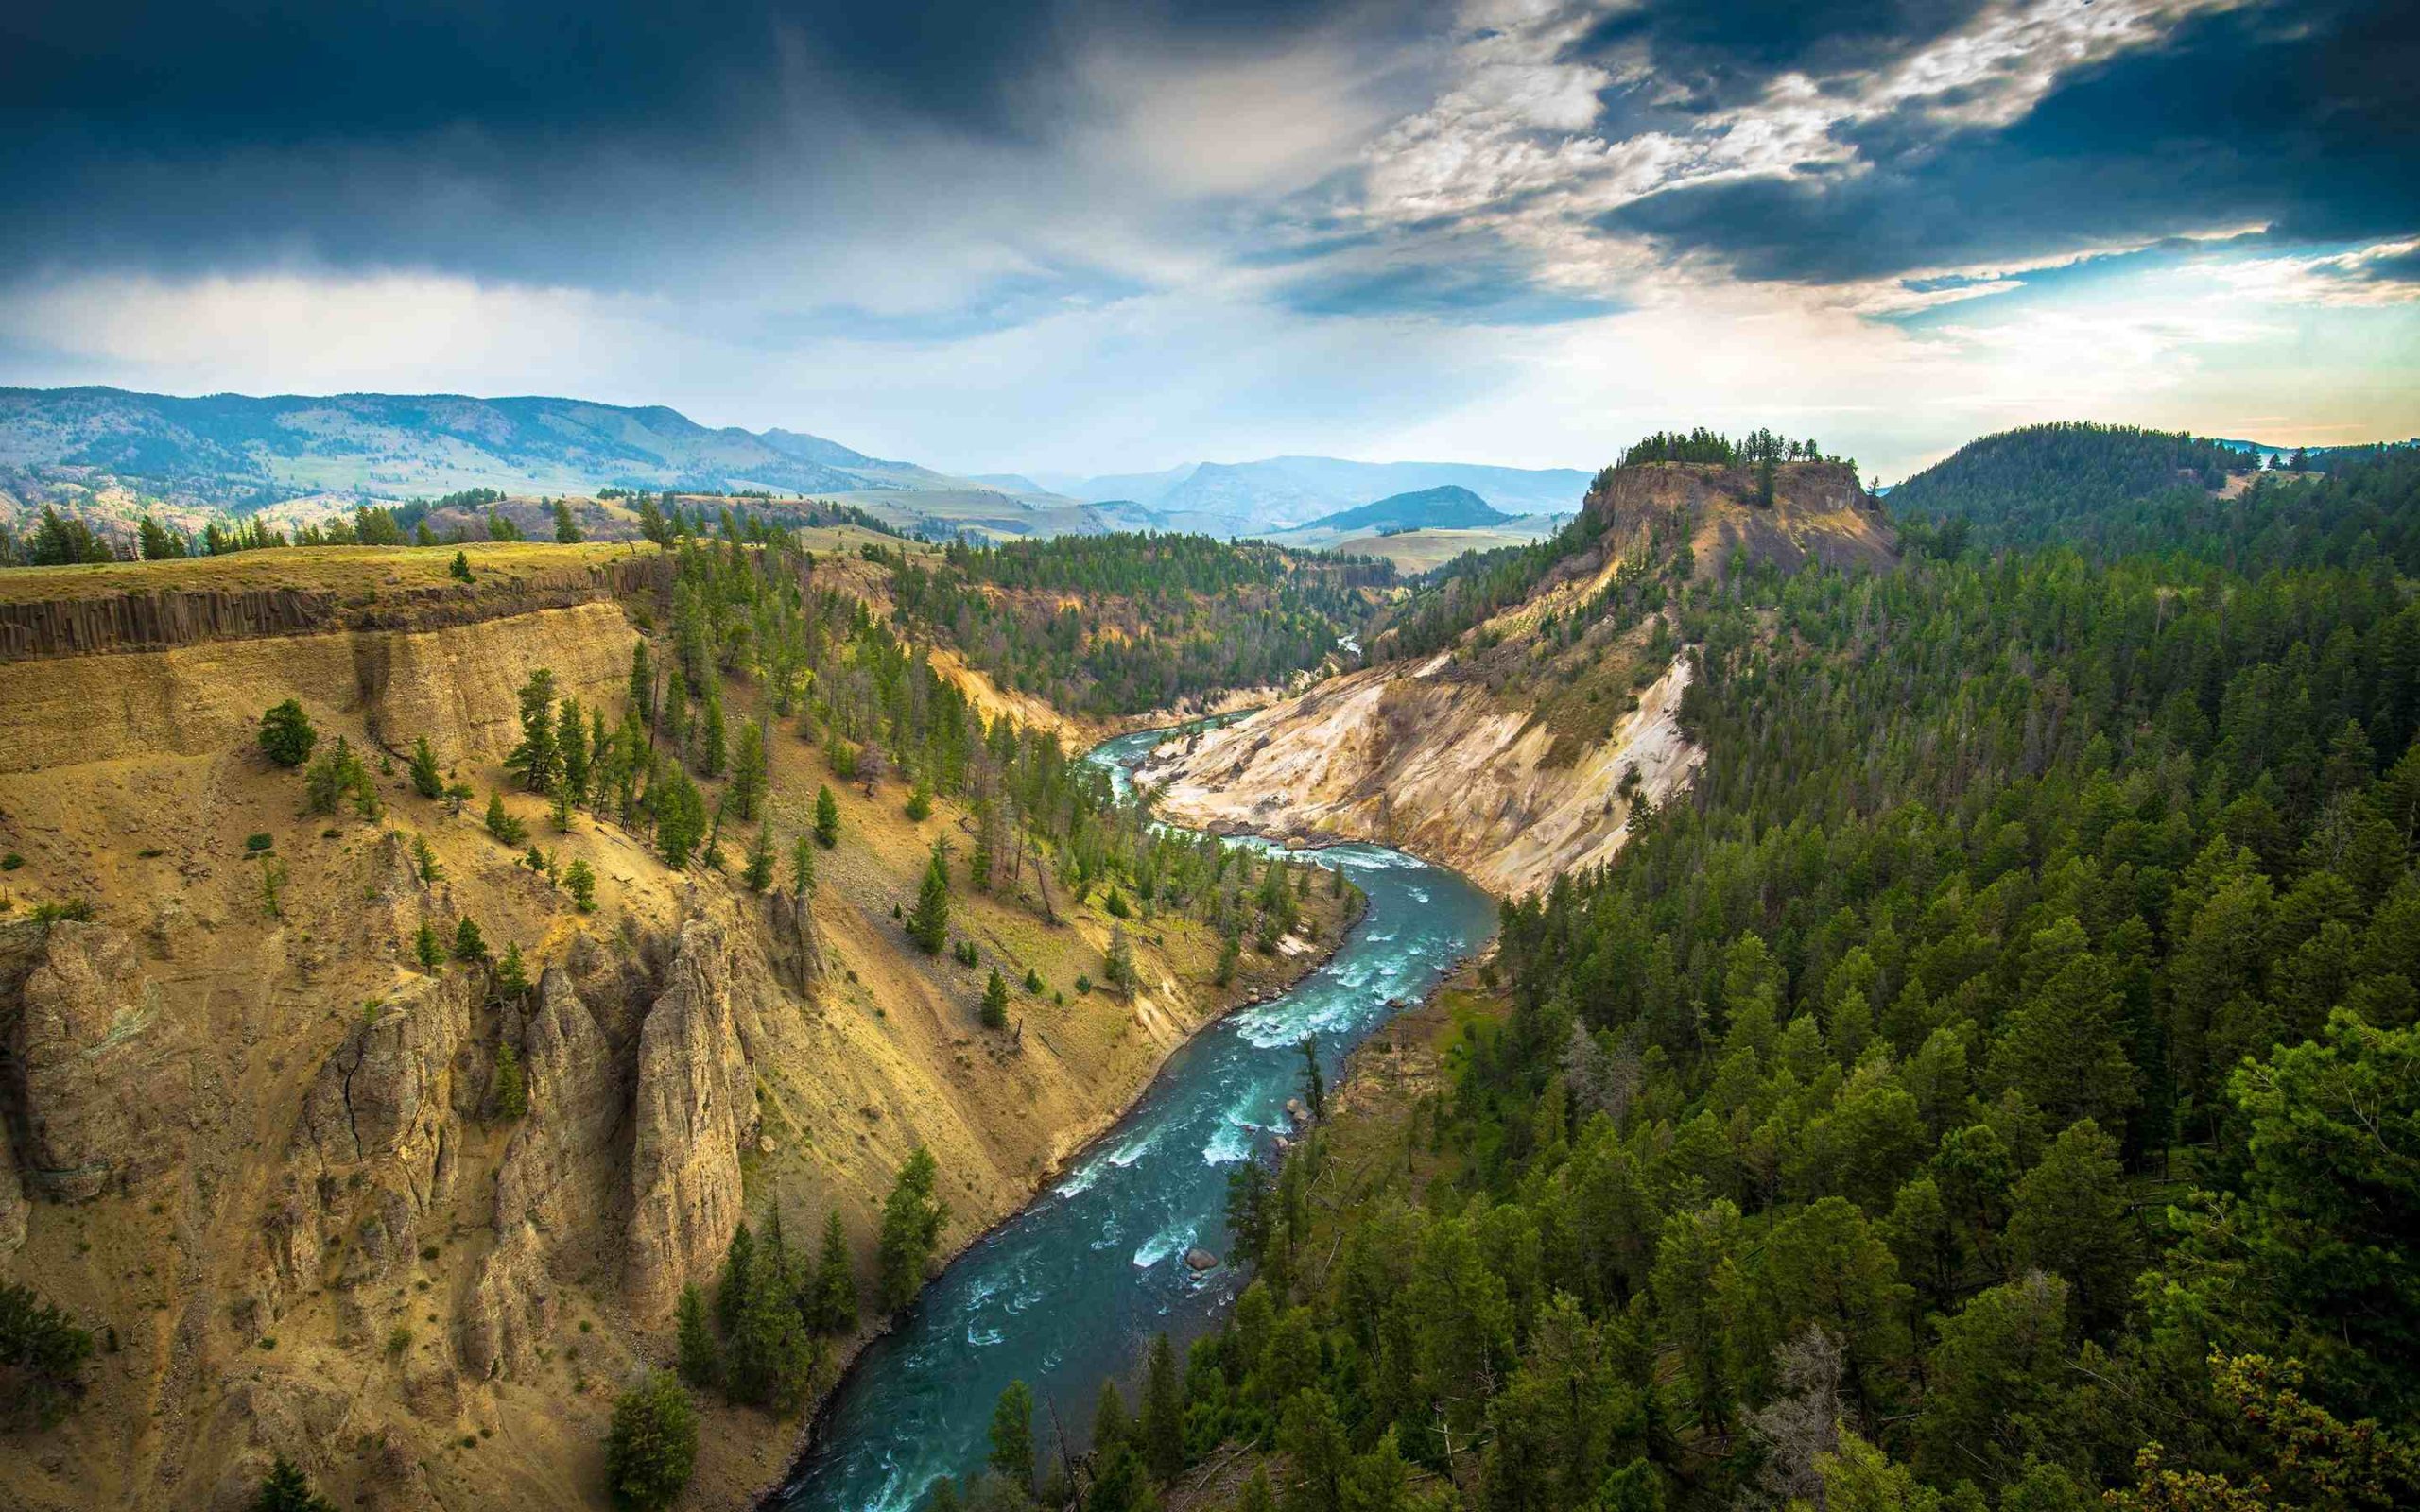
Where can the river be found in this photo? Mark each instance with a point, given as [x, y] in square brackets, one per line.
[1069, 1291]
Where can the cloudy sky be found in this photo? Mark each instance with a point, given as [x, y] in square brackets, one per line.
[1096, 236]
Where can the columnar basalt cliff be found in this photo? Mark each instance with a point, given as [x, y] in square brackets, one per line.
[160, 619]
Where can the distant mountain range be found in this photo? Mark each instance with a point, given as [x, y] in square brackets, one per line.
[235, 451]
[1446, 506]
[1284, 492]
[113, 454]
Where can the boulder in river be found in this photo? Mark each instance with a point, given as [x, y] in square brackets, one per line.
[1197, 1260]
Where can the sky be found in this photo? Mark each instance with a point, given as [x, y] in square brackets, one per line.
[1088, 237]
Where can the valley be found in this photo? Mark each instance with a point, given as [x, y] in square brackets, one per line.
[260, 1142]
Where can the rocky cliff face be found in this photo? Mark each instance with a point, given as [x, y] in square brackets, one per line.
[248, 1129]
[454, 684]
[159, 620]
[102, 1066]
[1484, 756]
[1418, 759]
[696, 1102]
[557, 1200]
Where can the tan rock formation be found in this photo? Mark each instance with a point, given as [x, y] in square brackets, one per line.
[1415, 758]
[556, 1193]
[695, 1107]
[103, 1073]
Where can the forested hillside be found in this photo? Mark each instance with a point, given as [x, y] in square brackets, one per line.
[2021, 486]
[1118, 624]
[1994, 1083]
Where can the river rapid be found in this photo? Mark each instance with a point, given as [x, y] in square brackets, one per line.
[1069, 1291]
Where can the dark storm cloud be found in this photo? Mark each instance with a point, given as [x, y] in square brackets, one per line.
[185, 77]
[2297, 117]
[548, 140]
[1711, 55]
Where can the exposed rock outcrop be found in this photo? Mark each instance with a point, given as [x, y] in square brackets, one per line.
[795, 954]
[381, 1131]
[13, 1207]
[1453, 754]
[454, 685]
[556, 1193]
[155, 621]
[1427, 762]
[695, 1107]
[104, 1076]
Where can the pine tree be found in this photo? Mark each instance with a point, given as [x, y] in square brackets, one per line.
[1032, 980]
[672, 716]
[286, 734]
[1314, 1085]
[2067, 1217]
[747, 791]
[642, 689]
[1112, 1426]
[468, 944]
[929, 925]
[566, 528]
[459, 568]
[501, 823]
[571, 742]
[538, 758]
[426, 781]
[803, 867]
[511, 1091]
[581, 880]
[738, 1264]
[600, 759]
[771, 1355]
[1117, 967]
[835, 1291]
[759, 872]
[979, 861]
[1163, 1420]
[651, 1449]
[511, 977]
[680, 819]
[286, 1488]
[996, 1001]
[828, 818]
[713, 755]
[424, 860]
[427, 949]
[699, 1357]
[1013, 1435]
[651, 523]
[1231, 955]
[911, 1225]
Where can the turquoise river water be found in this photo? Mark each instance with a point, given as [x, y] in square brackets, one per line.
[1069, 1291]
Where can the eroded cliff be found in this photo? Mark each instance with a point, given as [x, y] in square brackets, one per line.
[252, 1135]
[1522, 749]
